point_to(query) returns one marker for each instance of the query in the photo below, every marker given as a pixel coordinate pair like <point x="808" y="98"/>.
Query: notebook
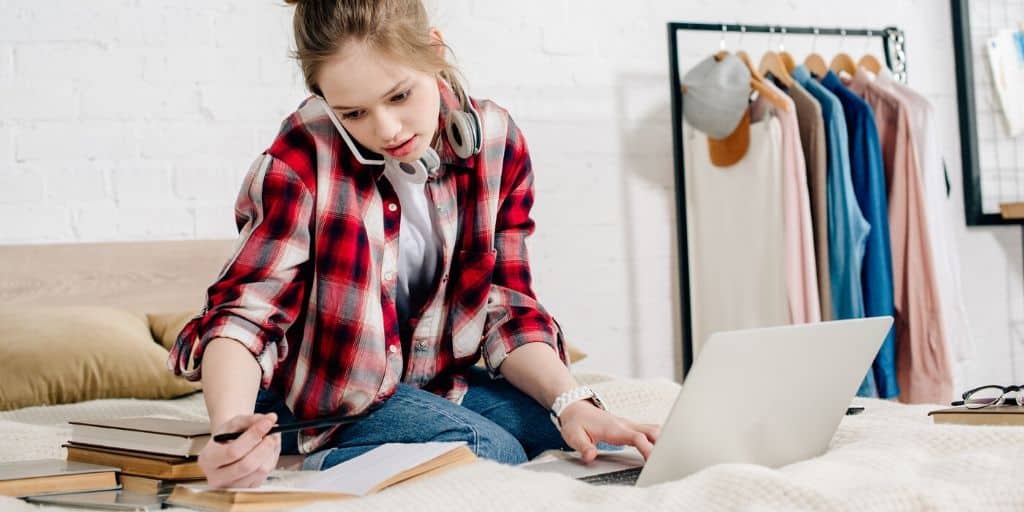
<point x="108" y="500"/>
<point x="382" y="467"/>
<point x="994" y="415"/>
<point x="47" y="476"/>
<point x="147" y="485"/>
<point x="148" y="434"/>
<point x="137" y="463"/>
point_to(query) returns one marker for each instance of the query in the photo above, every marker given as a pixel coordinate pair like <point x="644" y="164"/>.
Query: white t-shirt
<point x="736" y="234"/>
<point x="419" y="244"/>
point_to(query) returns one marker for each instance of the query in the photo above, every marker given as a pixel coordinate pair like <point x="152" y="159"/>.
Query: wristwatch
<point x="574" y="395"/>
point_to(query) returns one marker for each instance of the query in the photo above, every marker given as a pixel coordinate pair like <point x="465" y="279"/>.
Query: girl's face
<point x="388" y="107"/>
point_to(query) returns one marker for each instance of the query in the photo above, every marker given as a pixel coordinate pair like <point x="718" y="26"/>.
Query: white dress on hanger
<point x="736" y="234"/>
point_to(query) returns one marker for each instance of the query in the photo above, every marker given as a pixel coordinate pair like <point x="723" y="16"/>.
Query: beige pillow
<point x="60" y="355"/>
<point x="166" y="326"/>
<point x="575" y="354"/>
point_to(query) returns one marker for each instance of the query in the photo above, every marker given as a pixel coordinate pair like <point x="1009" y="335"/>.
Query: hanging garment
<point x="922" y="278"/>
<point x="812" y="141"/>
<point x="736" y="234"/>
<point x="922" y="355"/>
<point x="868" y="173"/>
<point x="801" y="271"/>
<point x="847" y="228"/>
<point x="941" y="209"/>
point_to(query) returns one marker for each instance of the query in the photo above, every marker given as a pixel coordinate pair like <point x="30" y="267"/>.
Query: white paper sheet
<point x="359" y="475"/>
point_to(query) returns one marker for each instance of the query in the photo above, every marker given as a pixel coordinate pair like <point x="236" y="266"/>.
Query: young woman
<point x="381" y="253"/>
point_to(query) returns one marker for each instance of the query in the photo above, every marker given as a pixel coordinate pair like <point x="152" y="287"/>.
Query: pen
<point x="291" y="427"/>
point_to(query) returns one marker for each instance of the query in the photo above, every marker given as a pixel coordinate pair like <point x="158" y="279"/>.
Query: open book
<point x="382" y="467"/>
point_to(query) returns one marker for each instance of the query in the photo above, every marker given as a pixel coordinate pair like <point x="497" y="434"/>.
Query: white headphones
<point x="462" y="127"/>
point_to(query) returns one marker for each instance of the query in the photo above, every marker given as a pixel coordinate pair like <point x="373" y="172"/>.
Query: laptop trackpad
<point x="569" y="463"/>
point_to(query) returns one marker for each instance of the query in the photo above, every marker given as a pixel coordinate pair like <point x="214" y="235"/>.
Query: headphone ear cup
<point x="431" y="161"/>
<point x="463" y="133"/>
<point x="413" y="172"/>
<point x="419" y="171"/>
<point x="478" y="130"/>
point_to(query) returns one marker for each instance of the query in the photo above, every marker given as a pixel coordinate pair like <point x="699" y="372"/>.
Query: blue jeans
<point x="496" y="420"/>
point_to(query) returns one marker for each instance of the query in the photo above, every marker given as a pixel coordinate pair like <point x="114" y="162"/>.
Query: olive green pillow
<point x="166" y="326"/>
<point x="61" y="355"/>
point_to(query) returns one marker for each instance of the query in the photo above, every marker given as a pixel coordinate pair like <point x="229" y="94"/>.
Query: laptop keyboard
<point x="623" y="477"/>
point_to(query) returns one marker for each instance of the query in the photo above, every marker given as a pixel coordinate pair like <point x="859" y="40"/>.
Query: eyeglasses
<point x="987" y="396"/>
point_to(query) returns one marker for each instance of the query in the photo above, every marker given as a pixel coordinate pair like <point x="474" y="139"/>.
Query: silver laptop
<point x="769" y="396"/>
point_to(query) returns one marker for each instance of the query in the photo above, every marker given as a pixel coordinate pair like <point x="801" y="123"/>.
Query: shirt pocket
<point x="471" y="282"/>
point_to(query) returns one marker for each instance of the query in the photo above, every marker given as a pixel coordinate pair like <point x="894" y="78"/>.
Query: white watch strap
<point x="574" y="395"/>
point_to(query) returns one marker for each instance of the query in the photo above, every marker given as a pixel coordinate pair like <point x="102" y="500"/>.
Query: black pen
<point x="291" y="427"/>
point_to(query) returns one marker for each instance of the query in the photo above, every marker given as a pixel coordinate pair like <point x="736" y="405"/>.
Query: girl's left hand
<point x="584" y="425"/>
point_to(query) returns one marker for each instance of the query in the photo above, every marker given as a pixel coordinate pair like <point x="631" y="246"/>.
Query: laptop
<point x="770" y="396"/>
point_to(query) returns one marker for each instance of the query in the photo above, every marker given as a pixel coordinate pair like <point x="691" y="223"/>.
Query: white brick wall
<point x="136" y="119"/>
<point x="6" y="64"/>
<point x="6" y="147"/>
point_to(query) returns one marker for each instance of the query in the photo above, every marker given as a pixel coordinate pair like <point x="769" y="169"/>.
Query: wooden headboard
<point x="144" y="277"/>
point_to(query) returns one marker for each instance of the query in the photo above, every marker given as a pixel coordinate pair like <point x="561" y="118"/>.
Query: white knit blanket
<point x="891" y="457"/>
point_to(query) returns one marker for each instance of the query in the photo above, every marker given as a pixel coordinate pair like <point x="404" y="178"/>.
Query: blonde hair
<point x="397" y="28"/>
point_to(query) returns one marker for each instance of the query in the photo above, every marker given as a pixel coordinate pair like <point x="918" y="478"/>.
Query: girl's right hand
<point x="246" y="461"/>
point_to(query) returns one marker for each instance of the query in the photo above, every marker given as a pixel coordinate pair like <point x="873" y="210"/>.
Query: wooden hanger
<point x="870" y="63"/>
<point x="772" y="63"/>
<point x="842" y="62"/>
<point x="787" y="61"/>
<point x="757" y="83"/>
<point x="750" y="65"/>
<point x="816" y="64"/>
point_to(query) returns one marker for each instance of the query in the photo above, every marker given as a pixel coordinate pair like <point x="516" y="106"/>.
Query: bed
<point x="891" y="457"/>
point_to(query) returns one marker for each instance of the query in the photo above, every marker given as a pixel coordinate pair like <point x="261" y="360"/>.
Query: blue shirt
<point x="868" y="176"/>
<point x="847" y="228"/>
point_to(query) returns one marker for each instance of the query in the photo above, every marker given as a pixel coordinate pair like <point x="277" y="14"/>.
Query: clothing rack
<point x="893" y="41"/>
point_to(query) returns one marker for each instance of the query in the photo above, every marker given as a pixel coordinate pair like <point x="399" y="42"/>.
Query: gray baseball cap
<point x="715" y="94"/>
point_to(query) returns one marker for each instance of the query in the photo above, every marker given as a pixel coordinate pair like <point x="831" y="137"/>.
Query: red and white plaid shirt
<point x="311" y="287"/>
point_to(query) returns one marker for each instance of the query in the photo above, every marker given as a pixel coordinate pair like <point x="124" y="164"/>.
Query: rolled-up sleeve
<point x="261" y="289"/>
<point x="514" y="316"/>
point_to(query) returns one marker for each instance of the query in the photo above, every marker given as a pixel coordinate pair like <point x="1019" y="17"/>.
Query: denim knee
<point x="495" y="443"/>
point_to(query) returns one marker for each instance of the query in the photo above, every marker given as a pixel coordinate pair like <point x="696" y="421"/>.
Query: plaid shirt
<point x="311" y="287"/>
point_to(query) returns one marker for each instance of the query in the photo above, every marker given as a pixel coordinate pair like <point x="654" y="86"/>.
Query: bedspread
<point x="891" y="457"/>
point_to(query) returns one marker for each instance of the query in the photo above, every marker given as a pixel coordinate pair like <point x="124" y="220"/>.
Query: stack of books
<point x="153" y="454"/>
